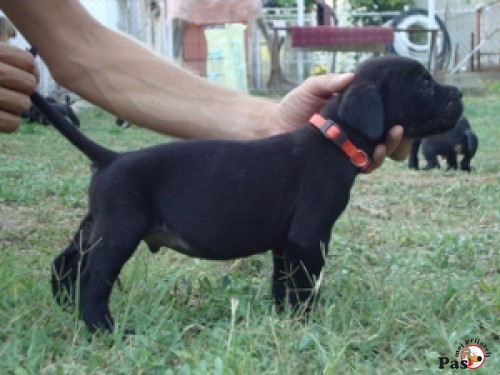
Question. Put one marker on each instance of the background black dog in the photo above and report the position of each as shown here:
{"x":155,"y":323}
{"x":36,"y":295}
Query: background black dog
{"x":122,"y":123}
{"x":35,"y":115}
{"x":221,"y":200}
{"x":459,"y":141}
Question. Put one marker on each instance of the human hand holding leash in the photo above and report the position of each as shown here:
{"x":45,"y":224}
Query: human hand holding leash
{"x":18,"y":79}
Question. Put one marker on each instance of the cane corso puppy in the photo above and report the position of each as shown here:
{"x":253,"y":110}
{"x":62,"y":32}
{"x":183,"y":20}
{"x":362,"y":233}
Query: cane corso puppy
{"x":220,"y":200}
{"x":35,"y":115}
{"x":461,"y":140}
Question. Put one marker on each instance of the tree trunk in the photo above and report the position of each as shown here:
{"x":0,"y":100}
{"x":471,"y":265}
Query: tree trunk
{"x":277,"y":81}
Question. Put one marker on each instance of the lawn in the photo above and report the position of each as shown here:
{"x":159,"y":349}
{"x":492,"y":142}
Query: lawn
{"x":412,"y":272}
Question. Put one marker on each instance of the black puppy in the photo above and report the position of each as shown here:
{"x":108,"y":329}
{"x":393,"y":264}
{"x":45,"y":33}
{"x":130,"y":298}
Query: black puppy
{"x":221,"y":200}
{"x":35,"y":115}
{"x":122,"y":123}
{"x":459,"y":141}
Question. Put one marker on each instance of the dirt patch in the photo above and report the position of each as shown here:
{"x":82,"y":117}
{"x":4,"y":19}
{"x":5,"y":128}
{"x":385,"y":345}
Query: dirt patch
{"x":15,"y":216}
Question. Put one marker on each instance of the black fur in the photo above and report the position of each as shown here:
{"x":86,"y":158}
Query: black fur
{"x":221,"y":200}
{"x":35,"y":115}
{"x":122,"y":123}
{"x":459,"y":141}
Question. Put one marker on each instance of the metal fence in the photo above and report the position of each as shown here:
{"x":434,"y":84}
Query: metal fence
{"x":475,"y":34}
{"x":473,"y":30}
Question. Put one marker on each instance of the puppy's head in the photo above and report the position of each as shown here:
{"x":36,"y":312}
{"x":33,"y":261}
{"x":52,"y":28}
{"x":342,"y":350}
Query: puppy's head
{"x":390,"y":91}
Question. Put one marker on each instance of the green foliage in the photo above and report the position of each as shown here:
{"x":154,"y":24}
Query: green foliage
{"x":287,"y":3}
{"x":493,"y":86}
{"x":376,"y":6}
{"x":379,"y":5}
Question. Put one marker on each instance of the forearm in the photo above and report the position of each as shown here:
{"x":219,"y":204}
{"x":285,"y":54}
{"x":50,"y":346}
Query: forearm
{"x":137,"y":84}
{"x":122,"y":76}
{"x":140,"y":86}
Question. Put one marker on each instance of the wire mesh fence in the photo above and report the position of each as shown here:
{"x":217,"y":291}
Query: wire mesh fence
{"x":474,"y":32}
{"x":469,"y":40}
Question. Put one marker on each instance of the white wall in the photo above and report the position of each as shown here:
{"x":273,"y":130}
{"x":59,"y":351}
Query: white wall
{"x":107,"y":12}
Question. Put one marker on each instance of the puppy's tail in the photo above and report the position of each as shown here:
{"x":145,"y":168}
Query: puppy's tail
{"x":95,"y":152}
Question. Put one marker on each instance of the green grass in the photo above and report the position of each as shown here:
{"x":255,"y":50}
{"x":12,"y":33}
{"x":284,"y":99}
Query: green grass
{"x":412,"y":271}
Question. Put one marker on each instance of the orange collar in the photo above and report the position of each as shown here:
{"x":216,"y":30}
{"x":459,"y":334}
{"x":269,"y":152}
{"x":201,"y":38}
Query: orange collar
{"x":334,"y":133}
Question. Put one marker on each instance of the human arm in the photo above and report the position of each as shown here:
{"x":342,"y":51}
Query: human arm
{"x":122,"y":76}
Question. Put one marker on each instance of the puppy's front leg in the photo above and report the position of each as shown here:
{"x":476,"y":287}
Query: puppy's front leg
{"x":279,"y":284}
{"x":296,"y":273}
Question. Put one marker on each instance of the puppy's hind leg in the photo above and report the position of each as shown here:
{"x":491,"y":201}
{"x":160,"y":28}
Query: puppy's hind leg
{"x":471,"y":143}
{"x":465,"y":163}
{"x":67,"y":265}
{"x":469,"y":147}
{"x":115,"y":240}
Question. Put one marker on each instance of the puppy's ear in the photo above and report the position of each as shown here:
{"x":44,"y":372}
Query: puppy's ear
{"x":362,"y":108}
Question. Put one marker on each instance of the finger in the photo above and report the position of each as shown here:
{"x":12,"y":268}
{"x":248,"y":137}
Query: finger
{"x":16,"y":79}
{"x":341,"y":81}
{"x":13,"y":102}
{"x":393,"y":138}
{"x":8,"y":122}
{"x":379,"y":155}
{"x":17,"y":57}
{"x":402,"y":151}
{"x":326,"y":85}
{"x":398,"y":147}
